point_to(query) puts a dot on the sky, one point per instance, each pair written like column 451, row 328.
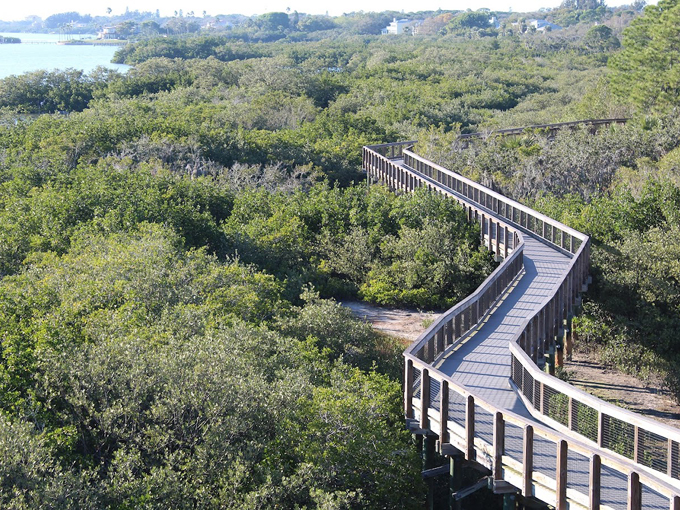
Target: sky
column 17, row 10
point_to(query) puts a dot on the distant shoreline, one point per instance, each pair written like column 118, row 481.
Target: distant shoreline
column 95, row 42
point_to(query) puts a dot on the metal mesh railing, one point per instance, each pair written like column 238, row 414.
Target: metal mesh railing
column 675, row 460
column 516, row 372
column 584, row 420
column 652, row 450
column 435, row 394
column 618, row 436
column 537, row 395
column 653, row 500
column 514, row 441
column 545, row 453
column 528, row 385
column 457, row 408
column 483, row 425
column 613, row 488
column 416, row 382
column 556, row 405
column 578, row 472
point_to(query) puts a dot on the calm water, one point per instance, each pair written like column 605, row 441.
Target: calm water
column 21, row 58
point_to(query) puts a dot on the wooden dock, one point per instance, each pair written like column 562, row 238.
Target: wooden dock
column 480, row 384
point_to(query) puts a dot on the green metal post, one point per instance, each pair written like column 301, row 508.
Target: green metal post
column 428, row 463
column 455, row 480
column 509, row 501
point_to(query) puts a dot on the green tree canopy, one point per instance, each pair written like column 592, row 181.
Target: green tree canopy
column 647, row 71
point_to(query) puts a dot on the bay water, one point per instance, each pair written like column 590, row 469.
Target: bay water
column 41, row 51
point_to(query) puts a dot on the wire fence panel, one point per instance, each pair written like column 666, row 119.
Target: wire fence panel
column 545, row 457
column 618, row 436
column 613, row 489
column 457, row 408
column 416, row 382
column 652, row 500
column 578, row 472
column 652, row 450
column 514, row 442
column 517, row 372
column 556, row 405
column 675, row 459
column 484, row 425
column 528, row 386
column 537, row 395
column 584, row 420
column 435, row 394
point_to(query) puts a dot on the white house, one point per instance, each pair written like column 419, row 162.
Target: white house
column 107, row 33
column 402, row 26
column 542, row 25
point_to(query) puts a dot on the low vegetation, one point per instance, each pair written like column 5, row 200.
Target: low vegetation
column 172, row 241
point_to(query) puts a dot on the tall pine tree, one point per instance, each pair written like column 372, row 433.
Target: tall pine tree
column 647, row 71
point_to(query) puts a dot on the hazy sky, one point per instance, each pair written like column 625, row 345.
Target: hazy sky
column 16, row 10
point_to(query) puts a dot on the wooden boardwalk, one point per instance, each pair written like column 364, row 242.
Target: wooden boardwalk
column 478, row 382
column 482, row 362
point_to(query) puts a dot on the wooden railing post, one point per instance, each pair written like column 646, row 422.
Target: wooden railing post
column 498, row 445
column 634, row 491
column 424, row 399
column 561, row 476
column 595, row 478
column 440, row 341
column 600, row 429
column 444, row 413
column 505, row 240
column 470, row 428
column 408, row 389
column 528, row 460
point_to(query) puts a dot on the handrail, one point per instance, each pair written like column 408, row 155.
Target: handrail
column 500, row 216
column 453, row 325
column 459, row 429
column 512, row 211
column 557, row 125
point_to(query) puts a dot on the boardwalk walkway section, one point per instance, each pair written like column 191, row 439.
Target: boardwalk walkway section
column 479, row 381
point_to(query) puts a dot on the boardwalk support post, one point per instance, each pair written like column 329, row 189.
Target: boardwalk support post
column 568, row 337
column 509, row 501
column 428, row 463
column 455, row 480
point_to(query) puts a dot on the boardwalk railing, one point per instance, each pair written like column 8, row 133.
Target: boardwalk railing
column 549, row 127
column 568, row 462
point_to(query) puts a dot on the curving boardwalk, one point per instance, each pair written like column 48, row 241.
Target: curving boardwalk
column 480, row 381
column 482, row 362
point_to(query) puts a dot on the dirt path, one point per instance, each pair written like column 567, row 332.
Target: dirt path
column 585, row 371
column 644, row 397
column 401, row 323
